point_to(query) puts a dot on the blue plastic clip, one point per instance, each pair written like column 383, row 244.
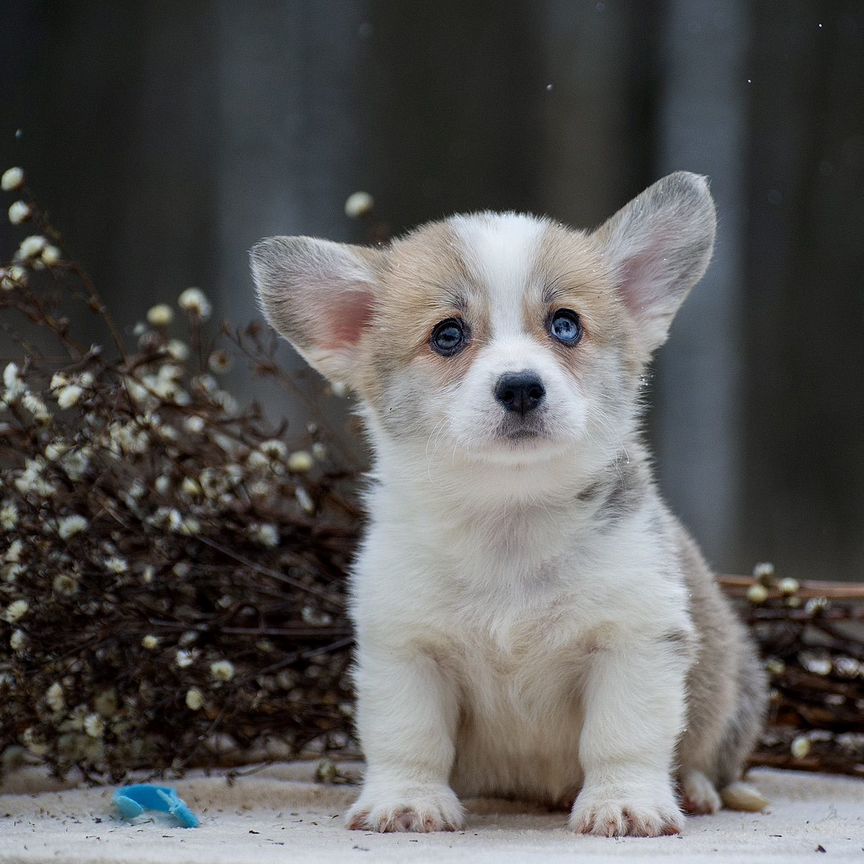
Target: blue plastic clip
column 132, row 801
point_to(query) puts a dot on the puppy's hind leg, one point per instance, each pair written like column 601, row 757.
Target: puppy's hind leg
column 741, row 736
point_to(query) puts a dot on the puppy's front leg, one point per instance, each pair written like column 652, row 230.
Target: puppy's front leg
column 406, row 717
column 634, row 713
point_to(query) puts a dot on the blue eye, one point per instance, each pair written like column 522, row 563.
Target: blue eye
column 449, row 337
column 566, row 327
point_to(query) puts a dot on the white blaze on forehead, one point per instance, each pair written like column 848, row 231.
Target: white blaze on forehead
column 500, row 250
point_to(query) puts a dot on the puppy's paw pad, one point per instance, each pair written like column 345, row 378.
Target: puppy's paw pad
column 625, row 816
column 417, row 810
column 698, row 795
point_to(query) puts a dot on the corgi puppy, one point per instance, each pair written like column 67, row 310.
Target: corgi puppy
column 532, row 622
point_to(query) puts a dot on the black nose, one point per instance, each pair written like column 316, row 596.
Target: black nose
column 520, row 391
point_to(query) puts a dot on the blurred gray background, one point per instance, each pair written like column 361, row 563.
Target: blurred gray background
column 166, row 137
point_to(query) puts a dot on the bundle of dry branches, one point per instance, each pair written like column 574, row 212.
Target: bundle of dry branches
column 172, row 572
column 812, row 638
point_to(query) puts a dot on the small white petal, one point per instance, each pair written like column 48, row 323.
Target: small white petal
column 160, row 315
column 300, row 461
column 32, row 246
column 12, row 179
column 69, row 396
column 358, row 204
column 194, row 301
column 19, row 211
column 50, row 256
column 222, row 670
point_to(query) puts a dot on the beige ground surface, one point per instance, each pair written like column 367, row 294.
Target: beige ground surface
column 279, row 815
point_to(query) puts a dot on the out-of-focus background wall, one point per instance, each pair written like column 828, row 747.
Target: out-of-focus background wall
column 166, row 137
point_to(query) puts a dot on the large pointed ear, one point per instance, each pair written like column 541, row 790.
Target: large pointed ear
column 659, row 246
column 319, row 295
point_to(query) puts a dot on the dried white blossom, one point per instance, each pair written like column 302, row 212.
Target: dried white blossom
column 55, row 698
column 763, row 570
column 16, row 610
column 50, row 255
column 177, row 350
column 13, row 553
column 788, row 586
column 13, row 178
column 36, row 407
column 56, row 449
column 800, row 746
column 31, row 480
column 94, row 725
column 190, row 526
column 273, row 448
column 181, row 569
column 194, row 424
column 257, row 459
column 65, row 584
column 300, row 461
column 818, row 664
column 358, row 204
column 76, row 463
column 190, row 487
column 31, row 246
column 266, row 534
column 14, row 383
column 219, row 362
column 18, row 640
column 184, row 658
column 194, row 699
column 194, row 301
column 162, row 484
column 116, row 564
column 12, row 277
column 150, row 642
column 847, row 667
column 148, row 573
column 8, row 516
column 757, row 593
column 319, row 451
column 69, row 526
column 304, row 499
column 160, row 315
column 775, row 666
column 222, row 670
column 69, row 396
column 58, row 380
column 19, row 211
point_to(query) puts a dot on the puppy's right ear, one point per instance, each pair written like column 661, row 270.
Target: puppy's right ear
column 319, row 295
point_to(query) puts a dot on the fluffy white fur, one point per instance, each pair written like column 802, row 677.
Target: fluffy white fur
column 527, row 615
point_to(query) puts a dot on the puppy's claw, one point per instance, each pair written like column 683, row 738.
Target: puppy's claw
column 626, row 816
column 419, row 809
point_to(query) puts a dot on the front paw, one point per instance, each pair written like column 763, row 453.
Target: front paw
column 397, row 807
column 640, row 810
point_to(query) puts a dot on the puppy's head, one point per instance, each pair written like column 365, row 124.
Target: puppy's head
column 500, row 337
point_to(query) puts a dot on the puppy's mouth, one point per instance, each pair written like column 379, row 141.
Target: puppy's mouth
column 522, row 435
column 521, row 431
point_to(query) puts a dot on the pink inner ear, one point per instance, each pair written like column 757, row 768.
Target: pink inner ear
column 345, row 323
column 644, row 278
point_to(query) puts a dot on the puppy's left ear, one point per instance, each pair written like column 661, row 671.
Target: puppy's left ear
column 319, row 295
column 659, row 246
